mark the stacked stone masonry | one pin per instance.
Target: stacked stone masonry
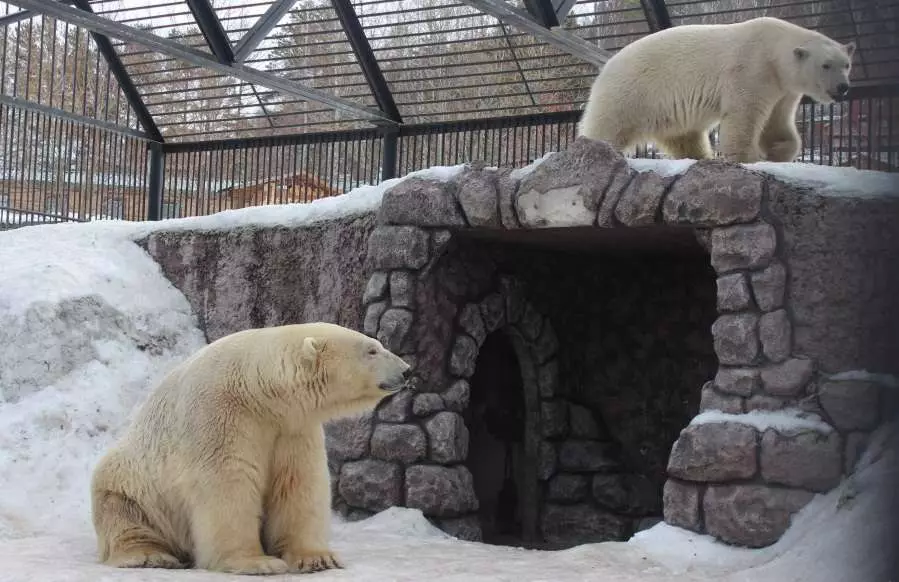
(802, 286)
(726, 478)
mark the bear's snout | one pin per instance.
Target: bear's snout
(840, 91)
(398, 380)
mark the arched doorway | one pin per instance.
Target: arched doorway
(496, 421)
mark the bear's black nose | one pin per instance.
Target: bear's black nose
(842, 89)
(407, 373)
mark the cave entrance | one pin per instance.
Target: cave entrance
(496, 422)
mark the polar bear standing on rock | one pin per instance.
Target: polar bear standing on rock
(674, 86)
(224, 467)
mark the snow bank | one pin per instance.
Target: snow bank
(663, 167)
(843, 536)
(832, 181)
(87, 324)
(356, 202)
(780, 420)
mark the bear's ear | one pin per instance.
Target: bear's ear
(311, 350)
(850, 47)
(800, 53)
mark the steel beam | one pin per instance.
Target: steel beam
(561, 39)
(92, 22)
(22, 15)
(16, 17)
(69, 116)
(212, 30)
(349, 20)
(543, 12)
(563, 7)
(123, 78)
(260, 30)
(657, 16)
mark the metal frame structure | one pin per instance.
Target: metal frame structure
(96, 24)
(266, 89)
(538, 20)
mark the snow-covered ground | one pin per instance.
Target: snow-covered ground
(88, 323)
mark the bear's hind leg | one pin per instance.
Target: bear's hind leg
(692, 145)
(298, 509)
(126, 538)
(780, 140)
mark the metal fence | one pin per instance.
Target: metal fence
(55, 169)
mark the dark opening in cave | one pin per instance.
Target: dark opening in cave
(496, 417)
(632, 315)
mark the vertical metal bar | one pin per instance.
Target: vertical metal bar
(332, 173)
(304, 165)
(125, 179)
(831, 140)
(235, 157)
(69, 141)
(87, 179)
(142, 161)
(245, 171)
(3, 57)
(345, 146)
(156, 172)
(810, 130)
(388, 163)
(892, 146)
(194, 195)
(257, 177)
(374, 165)
(46, 138)
(850, 102)
(870, 132)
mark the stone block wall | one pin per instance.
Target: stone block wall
(805, 303)
(769, 435)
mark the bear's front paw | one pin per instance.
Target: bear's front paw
(306, 562)
(253, 565)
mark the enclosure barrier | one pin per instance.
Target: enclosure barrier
(58, 169)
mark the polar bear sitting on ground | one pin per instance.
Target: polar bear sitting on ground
(674, 86)
(224, 466)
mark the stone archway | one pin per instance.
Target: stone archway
(505, 310)
(725, 464)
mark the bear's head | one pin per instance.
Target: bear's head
(349, 372)
(823, 69)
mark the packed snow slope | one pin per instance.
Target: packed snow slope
(88, 324)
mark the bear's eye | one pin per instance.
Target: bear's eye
(372, 351)
(825, 66)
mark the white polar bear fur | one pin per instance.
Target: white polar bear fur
(224, 466)
(674, 86)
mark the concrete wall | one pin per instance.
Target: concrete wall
(843, 254)
(257, 277)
